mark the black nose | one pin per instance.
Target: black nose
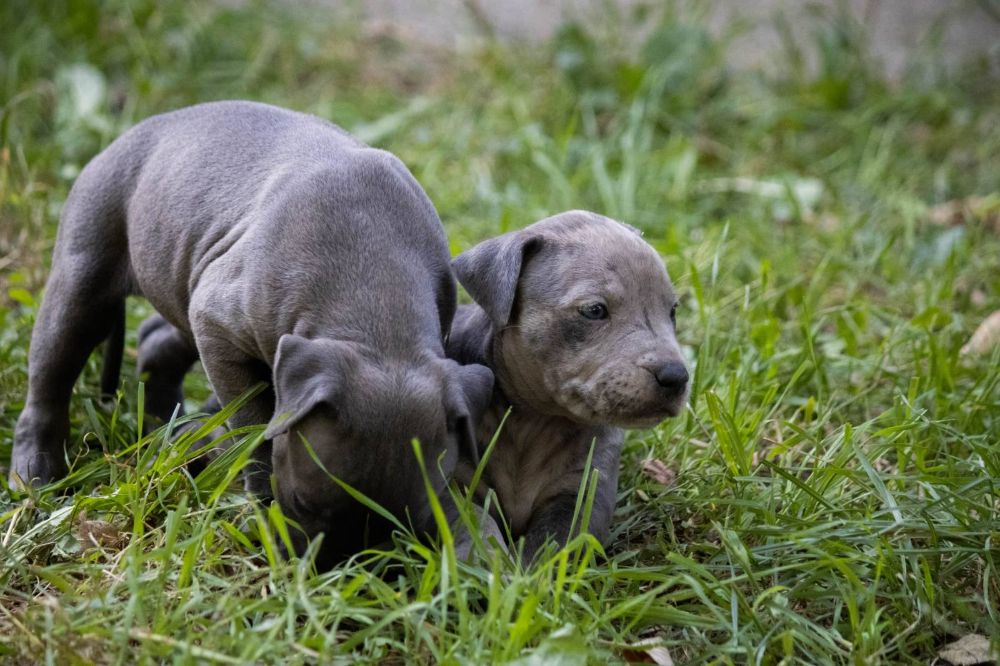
(672, 376)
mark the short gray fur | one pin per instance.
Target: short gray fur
(570, 382)
(281, 250)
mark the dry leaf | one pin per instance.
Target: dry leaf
(968, 650)
(947, 213)
(955, 212)
(647, 652)
(99, 534)
(986, 337)
(825, 221)
(658, 471)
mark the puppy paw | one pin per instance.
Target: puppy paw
(489, 535)
(37, 458)
(257, 482)
(30, 467)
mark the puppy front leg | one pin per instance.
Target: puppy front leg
(554, 518)
(551, 521)
(231, 374)
(464, 540)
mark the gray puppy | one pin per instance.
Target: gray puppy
(281, 250)
(575, 315)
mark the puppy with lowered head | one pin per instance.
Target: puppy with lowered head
(280, 250)
(575, 315)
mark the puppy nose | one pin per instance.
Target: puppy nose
(672, 376)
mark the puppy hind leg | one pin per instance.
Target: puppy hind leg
(114, 348)
(77, 313)
(165, 356)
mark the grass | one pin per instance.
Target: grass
(836, 490)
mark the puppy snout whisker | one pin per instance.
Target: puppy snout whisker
(672, 375)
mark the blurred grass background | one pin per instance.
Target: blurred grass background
(832, 491)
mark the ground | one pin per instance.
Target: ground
(830, 494)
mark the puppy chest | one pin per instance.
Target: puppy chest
(528, 467)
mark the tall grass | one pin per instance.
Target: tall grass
(836, 493)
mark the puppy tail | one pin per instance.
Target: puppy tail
(114, 346)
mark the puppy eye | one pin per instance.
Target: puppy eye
(594, 311)
(673, 315)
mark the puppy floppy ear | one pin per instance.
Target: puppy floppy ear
(306, 373)
(468, 395)
(490, 270)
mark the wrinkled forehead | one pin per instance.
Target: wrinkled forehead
(603, 258)
(393, 397)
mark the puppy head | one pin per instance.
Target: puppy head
(359, 414)
(584, 314)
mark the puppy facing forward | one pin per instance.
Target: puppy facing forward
(575, 315)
